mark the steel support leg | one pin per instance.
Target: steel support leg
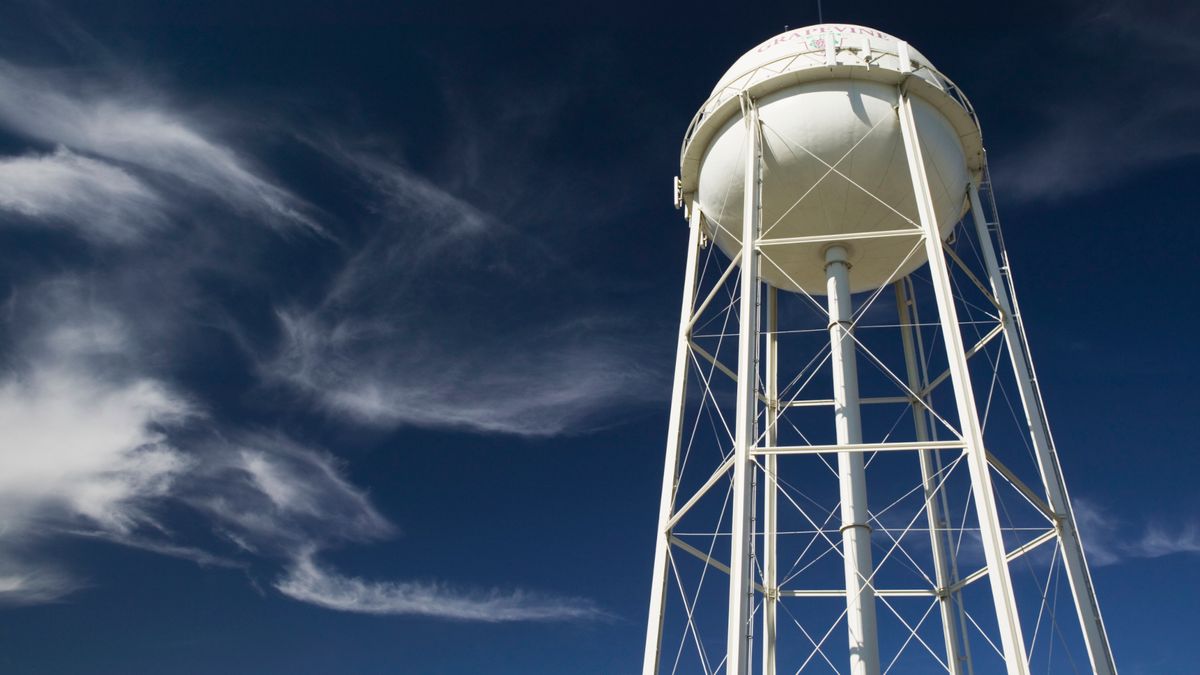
(1003, 598)
(939, 529)
(658, 584)
(1082, 590)
(856, 529)
(741, 590)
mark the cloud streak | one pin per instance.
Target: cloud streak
(419, 327)
(101, 441)
(271, 496)
(95, 448)
(79, 451)
(306, 581)
(1108, 542)
(542, 383)
(127, 124)
(32, 583)
(101, 201)
(1098, 136)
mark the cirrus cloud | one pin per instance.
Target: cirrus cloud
(307, 581)
(100, 200)
(120, 121)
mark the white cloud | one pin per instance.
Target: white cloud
(308, 582)
(540, 382)
(86, 449)
(75, 451)
(415, 198)
(102, 201)
(1109, 540)
(92, 113)
(33, 583)
(1139, 120)
(272, 496)
(160, 546)
(1090, 144)
(86, 445)
(1098, 530)
(90, 446)
(84, 457)
(420, 326)
(1158, 542)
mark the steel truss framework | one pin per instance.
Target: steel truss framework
(756, 556)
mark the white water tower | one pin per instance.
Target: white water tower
(832, 533)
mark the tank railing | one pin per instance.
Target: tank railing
(733, 88)
(957, 94)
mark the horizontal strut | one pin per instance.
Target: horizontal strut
(828, 238)
(839, 593)
(815, 402)
(858, 447)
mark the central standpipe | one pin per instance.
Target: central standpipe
(852, 478)
(770, 524)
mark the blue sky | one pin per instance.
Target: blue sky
(338, 340)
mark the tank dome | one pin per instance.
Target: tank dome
(833, 155)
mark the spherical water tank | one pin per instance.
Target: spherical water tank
(827, 97)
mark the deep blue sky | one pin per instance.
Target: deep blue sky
(338, 340)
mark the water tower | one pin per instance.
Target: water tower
(859, 472)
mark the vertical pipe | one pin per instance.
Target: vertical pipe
(930, 478)
(1003, 598)
(770, 485)
(856, 530)
(1082, 590)
(658, 583)
(740, 629)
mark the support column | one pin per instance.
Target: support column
(771, 485)
(945, 574)
(741, 554)
(1074, 561)
(852, 478)
(666, 505)
(1007, 618)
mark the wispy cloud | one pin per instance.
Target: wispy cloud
(1158, 542)
(309, 582)
(280, 499)
(79, 451)
(1109, 539)
(272, 496)
(85, 447)
(543, 382)
(156, 544)
(25, 582)
(103, 442)
(91, 449)
(1096, 135)
(122, 121)
(101, 201)
(420, 327)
